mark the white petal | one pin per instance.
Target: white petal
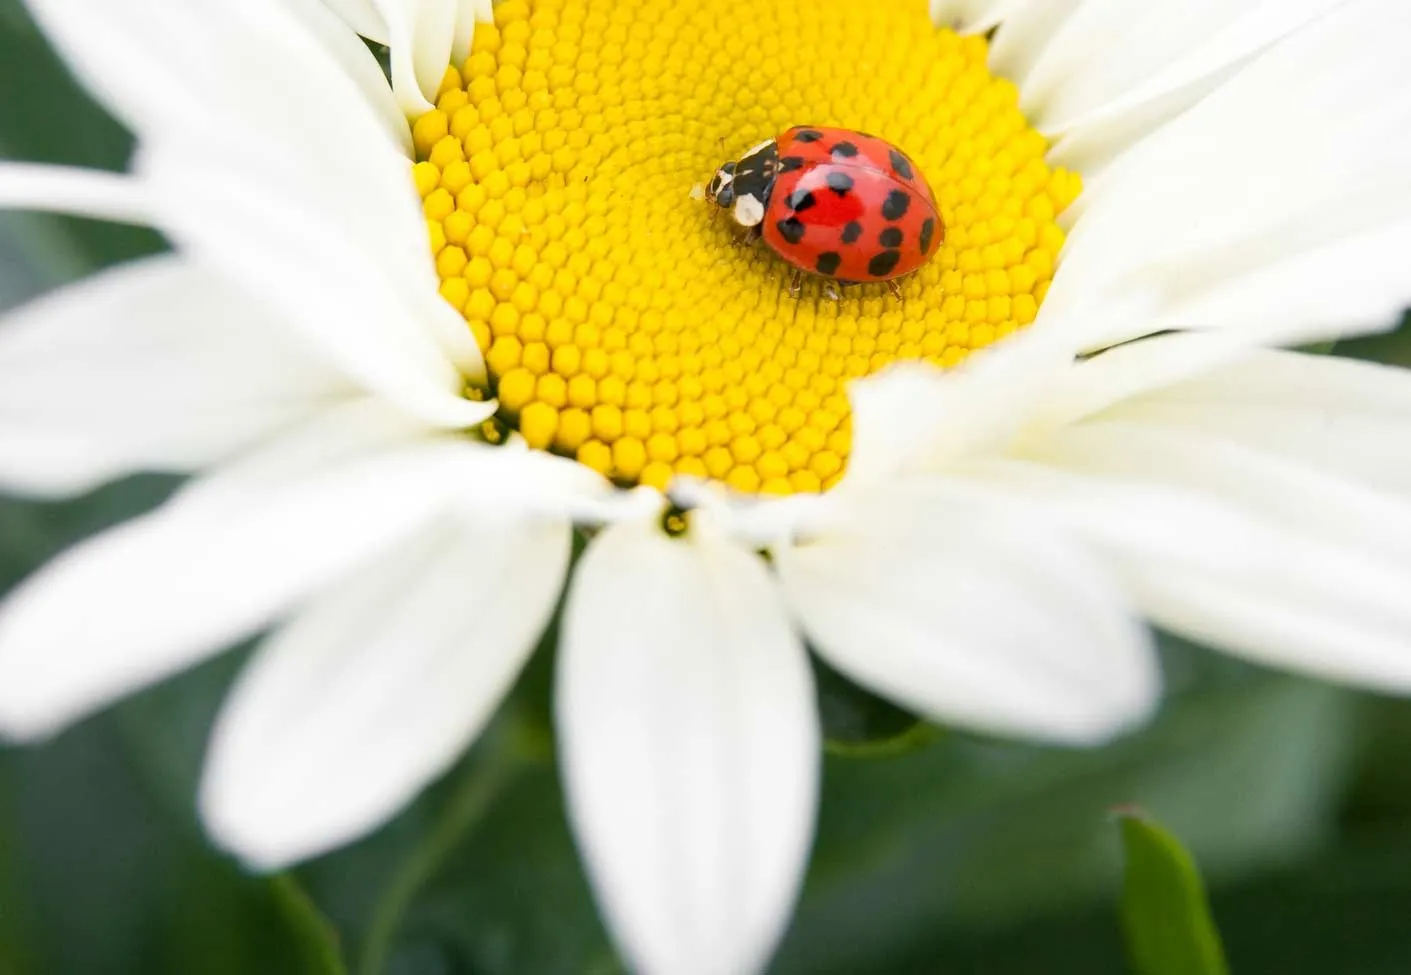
(78, 192)
(689, 746)
(317, 211)
(1351, 283)
(1337, 415)
(362, 16)
(341, 295)
(1023, 32)
(1311, 501)
(1276, 198)
(971, 614)
(1112, 71)
(167, 70)
(377, 687)
(220, 560)
(1134, 370)
(295, 147)
(1264, 559)
(914, 416)
(353, 56)
(156, 365)
(129, 56)
(421, 34)
(972, 16)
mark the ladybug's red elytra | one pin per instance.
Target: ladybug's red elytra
(833, 202)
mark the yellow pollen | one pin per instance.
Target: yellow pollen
(561, 173)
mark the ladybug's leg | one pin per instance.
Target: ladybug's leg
(833, 291)
(750, 235)
(894, 288)
(796, 283)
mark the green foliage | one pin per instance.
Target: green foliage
(1164, 910)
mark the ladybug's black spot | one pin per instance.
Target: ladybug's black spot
(839, 182)
(928, 227)
(844, 150)
(881, 265)
(851, 231)
(894, 206)
(808, 135)
(791, 229)
(790, 163)
(891, 237)
(800, 200)
(828, 262)
(902, 165)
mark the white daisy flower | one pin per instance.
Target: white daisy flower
(392, 440)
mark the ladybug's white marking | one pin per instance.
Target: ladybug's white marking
(749, 211)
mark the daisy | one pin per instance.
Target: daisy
(411, 335)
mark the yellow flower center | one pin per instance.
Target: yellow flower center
(560, 174)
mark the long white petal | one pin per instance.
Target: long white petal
(340, 295)
(1333, 414)
(1250, 556)
(129, 56)
(1112, 71)
(971, 614)
(1309, 500)
(421, 34)
(361, 16)
(1276, 198)
(972, 16)
(336, 29)
(156, 365)
(689, 745)
(77, 192)
(291, 179)
(377, 687)
(1137, 370)
(1023, 32)
(319, 213)
(182, 71)
(914, 416)
(220, 560)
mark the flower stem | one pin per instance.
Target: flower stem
(484, 780)
(312, 929)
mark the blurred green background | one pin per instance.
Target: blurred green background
(955, 855)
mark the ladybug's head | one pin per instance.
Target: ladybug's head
(743, 187)
(721, 190)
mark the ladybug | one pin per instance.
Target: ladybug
(833, 202)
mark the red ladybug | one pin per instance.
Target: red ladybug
(841, 204)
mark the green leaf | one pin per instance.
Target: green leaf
(1164, 909)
